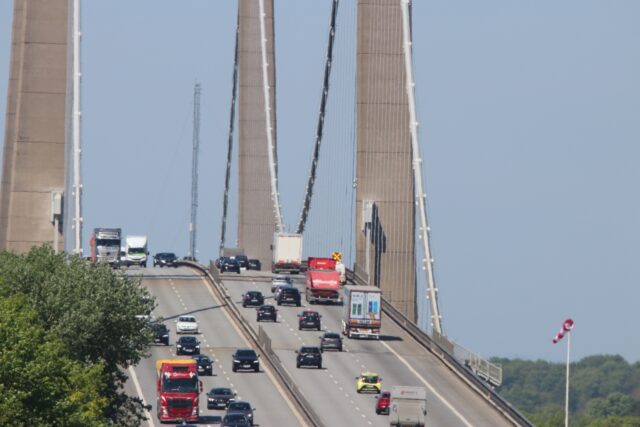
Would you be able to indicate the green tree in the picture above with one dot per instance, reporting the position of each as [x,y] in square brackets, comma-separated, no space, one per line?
[91,309]
[39,384]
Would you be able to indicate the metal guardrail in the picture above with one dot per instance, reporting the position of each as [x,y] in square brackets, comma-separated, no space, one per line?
[261,341]
[442,348]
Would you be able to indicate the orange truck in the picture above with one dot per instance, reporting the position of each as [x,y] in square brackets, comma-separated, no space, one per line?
[322,281]
[178,390]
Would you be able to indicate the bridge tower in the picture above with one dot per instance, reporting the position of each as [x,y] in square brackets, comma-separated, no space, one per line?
[385,216]
[256,215]
[34,140]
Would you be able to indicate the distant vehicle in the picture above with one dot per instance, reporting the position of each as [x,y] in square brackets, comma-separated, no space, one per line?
[245,358]
[235,420]
[322,281]
[165,259]
[136,251]
[368,381]
[287,253]
[254,264]
[289,296]
[220,397]
[218,262]
[382,403]
[280,280]
[187,325]
[178,389]
[266,312]
[309,319]
[243,408]
[254,298]
[230,264]
[243,261]
[309,356]
[361,312]
[187,345]
[205,365]
[105,245]
[330,340]
[161,333]
[279,289]
[408,406]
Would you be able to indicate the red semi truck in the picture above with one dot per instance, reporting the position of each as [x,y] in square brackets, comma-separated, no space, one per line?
[178,390]
[322,281]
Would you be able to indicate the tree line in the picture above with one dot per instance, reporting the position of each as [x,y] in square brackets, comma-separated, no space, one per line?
[69,332]
[604,391]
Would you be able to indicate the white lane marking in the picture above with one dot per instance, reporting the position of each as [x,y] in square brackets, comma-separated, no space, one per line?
[265,369]
[136,384]
[429,386]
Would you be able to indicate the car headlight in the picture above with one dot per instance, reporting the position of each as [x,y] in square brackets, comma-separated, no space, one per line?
[197,346]
[255,361]
[179,346]
[236,361]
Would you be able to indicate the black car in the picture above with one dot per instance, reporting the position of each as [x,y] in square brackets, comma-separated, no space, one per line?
[267,312]
[242,260]
[309,319]
[245,358]
[241,407]
[187,345]
[165,259]
[220,397]
[254,264]
[205,366]
[254,298]
[330,340]
[280,280]
[235,420]
[230,265]
[160,333]
[289,296]
[309,356]
[218,262]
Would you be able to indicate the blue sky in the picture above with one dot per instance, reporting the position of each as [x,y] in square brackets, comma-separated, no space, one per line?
[529,129]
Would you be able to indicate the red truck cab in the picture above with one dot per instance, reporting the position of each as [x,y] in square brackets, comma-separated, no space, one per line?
[178,390]
[322,282]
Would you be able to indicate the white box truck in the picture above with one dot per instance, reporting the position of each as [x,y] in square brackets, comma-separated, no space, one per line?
[408,407]
[361,312]
[287,253]
[136,251]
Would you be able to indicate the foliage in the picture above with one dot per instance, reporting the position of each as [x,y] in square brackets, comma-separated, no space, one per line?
[605,391]
[91,310]
[39,384]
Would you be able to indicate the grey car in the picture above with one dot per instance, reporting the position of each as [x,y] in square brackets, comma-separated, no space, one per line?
[330,340]
[241,407]
[235,420]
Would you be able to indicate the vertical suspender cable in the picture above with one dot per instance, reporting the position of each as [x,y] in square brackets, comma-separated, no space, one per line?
[77,184]
[320,125]
[420,196]
[232,118]
[267,114]
[194,170]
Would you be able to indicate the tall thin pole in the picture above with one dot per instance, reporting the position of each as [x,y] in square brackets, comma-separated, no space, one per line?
[194,170]
[566,389]
[77,184]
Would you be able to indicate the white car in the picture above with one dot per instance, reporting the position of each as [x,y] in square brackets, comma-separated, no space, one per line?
[186,325]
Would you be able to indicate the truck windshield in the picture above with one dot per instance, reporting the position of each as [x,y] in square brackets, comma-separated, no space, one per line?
[136,250]
[184,385]
[108,242]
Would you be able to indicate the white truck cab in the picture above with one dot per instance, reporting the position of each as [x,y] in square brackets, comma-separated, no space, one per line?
[136,251]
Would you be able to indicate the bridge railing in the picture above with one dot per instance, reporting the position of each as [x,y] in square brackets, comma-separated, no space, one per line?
[446,350]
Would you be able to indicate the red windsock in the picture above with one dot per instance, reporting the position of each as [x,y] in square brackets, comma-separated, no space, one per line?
[567,326]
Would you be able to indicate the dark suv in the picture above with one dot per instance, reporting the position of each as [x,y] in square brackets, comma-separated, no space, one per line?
[254,264]
[230,265]
[205,365]
[160,333]
[330,340]
[267,312]
[254,298]
[245,358]
[309,319]
[243,261]
[220,397]
[289,296]
[165,259]
[309,356]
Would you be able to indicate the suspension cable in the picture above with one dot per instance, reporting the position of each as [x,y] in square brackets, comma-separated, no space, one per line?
[271,151]
[420,196]
[320,125]
[232,118]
